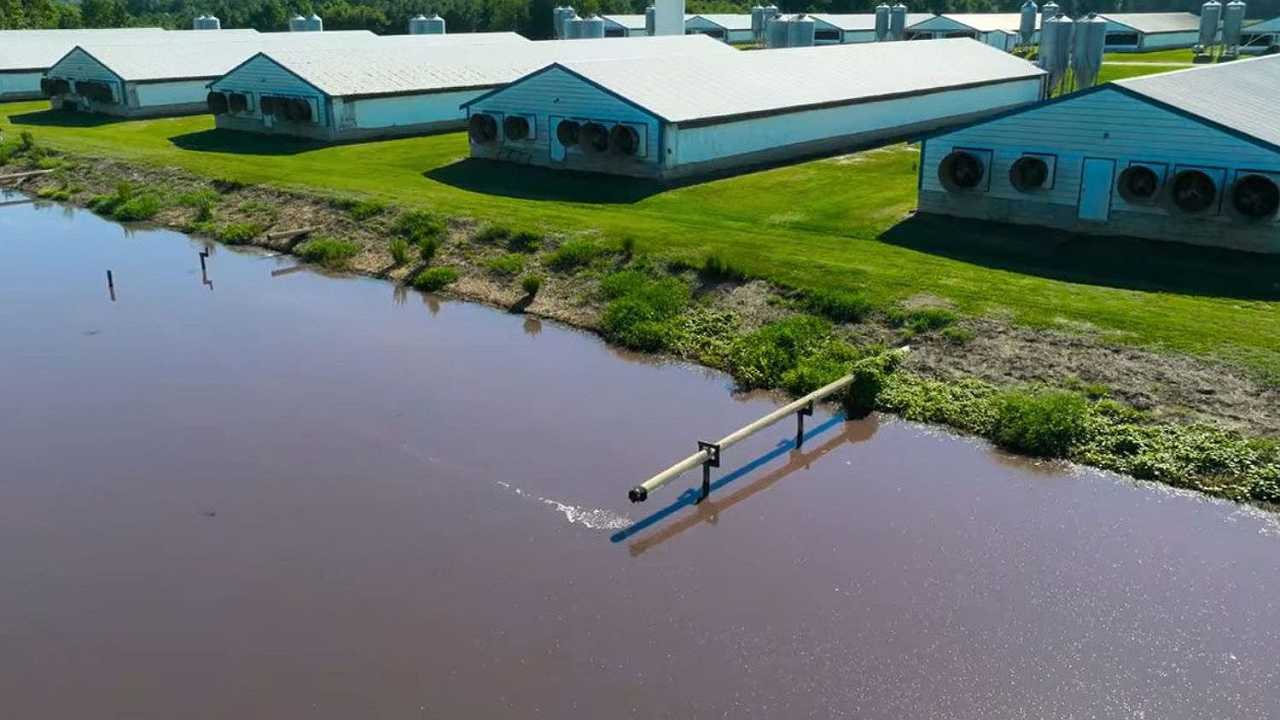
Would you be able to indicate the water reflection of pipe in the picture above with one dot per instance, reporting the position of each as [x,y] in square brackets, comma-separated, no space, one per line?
[111,286]
[288,271]
[432,303]
[399,293]
[709,510]
[532,326]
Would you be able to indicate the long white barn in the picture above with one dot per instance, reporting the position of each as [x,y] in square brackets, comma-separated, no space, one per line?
[26,55]
[1190,156]
[838,29]
[712,113]
[995,29]
[1143,32]
[402,87]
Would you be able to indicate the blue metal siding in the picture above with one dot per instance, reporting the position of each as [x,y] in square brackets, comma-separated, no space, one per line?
[79,65]
[262,76]
[561,94]
[722,140]
[1104,124]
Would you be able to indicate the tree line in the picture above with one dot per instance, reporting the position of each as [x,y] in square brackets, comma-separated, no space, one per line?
[531,18]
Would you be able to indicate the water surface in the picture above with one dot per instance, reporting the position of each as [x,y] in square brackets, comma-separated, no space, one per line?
[285,495]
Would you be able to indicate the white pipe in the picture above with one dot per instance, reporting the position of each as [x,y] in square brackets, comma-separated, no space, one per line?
[641,492]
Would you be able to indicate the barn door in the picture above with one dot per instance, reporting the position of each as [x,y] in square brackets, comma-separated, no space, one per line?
[1096,182]
[553,140]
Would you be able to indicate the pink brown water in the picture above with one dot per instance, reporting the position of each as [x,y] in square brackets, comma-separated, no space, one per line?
[298,496]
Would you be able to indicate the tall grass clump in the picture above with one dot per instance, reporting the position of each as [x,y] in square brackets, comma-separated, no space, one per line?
[717,269]
[838,305]
[531,284]
[760,359]
[399,249]
[237,233]
[641,311]
[138,207]
[428,248]
[571,255]
[433,279]
[361,210]
[202,201]
[508,265]
[1044,423]
[922,320]
[525,241]
[492,234]
[327,251]
[419,226]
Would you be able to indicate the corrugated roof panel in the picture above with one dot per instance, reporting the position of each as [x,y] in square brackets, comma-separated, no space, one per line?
[988,22]
[40,49]
[862,21]
[768,81]
[1154,23]
[1241,95]
[407,69]
[726,21]
[630,22]
[197,55]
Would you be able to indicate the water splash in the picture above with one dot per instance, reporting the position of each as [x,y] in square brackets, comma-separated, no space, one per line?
[591,518]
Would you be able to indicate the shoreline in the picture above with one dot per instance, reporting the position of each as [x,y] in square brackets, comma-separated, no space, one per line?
[1194,424]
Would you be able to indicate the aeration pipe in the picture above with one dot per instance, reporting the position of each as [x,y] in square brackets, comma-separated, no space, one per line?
[709,454]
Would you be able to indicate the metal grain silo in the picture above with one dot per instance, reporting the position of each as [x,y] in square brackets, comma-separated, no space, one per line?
[1027,21]
[560,18]
[1210,15]
[1055,48]
[297,23]
[882,22]
[1086,52]
[777,32]
[800,31]
[314,23]
[435,25]
[757,22]
[573,28]
[650,20]
[770,12]
[1233,23]
[418,25]
[897,21]
[593,27]
[1048,11]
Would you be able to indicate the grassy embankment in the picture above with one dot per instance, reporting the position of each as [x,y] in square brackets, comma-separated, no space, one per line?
[835,231]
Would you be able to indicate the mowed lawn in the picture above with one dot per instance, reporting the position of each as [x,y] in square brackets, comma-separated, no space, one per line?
[834,223]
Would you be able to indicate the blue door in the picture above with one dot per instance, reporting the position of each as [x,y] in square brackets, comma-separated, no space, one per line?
[1096,182]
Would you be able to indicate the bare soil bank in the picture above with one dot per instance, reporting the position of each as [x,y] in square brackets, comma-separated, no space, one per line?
[1173,387]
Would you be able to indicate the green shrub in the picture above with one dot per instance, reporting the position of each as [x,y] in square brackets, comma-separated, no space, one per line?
[1047,423]
[203,201]
[399,248]
[418,226]
[870,376]
[964,404]
[327,251]
[433,279]
[428,248]
[640,315]
[619,284]
[531,284]
[628,247]
[58,194]
[571,255]
[761,358]
[717,268]
[524,241]
[510,264]
[104,204]
[838,305]
[138,207]
[831,362]
[493,234]
[237,233]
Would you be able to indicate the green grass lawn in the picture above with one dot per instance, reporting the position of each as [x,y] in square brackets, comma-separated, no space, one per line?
[1109,72]
[1181,55]
[833,223]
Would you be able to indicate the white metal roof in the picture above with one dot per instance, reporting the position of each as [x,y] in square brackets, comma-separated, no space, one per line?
[630,22]
[40,49]
[452,39]
[1241,95]
[862,21]
[726,21]
[760,82]
[1155,23]
[984,22]
[414,68]
[199,55]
